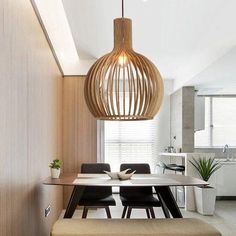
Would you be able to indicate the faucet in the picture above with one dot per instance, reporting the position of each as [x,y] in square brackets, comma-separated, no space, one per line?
[226,150]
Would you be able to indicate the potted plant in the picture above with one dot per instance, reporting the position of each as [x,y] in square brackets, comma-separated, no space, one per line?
[205,196]
[55,166]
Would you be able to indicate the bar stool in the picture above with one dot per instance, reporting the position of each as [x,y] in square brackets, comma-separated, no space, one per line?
[175,168]
[172,167]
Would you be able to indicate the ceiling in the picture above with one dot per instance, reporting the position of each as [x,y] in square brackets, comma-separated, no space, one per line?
[192,42]
[182,37]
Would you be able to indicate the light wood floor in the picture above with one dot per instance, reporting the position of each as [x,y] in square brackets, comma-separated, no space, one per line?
[224,218]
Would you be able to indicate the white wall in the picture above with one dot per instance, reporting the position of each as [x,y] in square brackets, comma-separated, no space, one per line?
[163,119]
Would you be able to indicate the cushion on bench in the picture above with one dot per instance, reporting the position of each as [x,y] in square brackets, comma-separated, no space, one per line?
[133,227]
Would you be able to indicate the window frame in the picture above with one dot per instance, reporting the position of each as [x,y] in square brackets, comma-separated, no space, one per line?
[211,125]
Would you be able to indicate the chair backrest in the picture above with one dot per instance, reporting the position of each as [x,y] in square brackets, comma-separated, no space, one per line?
[95,168]
[141,168]
[96,192]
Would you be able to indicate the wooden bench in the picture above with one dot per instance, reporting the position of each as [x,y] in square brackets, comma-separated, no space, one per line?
[133,227]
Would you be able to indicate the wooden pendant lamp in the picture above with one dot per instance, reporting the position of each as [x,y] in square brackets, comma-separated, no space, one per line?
[123,84]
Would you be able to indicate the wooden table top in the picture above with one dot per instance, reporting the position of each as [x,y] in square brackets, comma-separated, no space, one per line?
[136,180]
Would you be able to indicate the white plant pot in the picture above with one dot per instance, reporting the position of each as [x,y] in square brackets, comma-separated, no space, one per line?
[55,173]
[205,199]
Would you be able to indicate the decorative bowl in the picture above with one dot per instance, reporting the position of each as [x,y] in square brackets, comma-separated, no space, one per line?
[124,176]
[112,175]
[120,175]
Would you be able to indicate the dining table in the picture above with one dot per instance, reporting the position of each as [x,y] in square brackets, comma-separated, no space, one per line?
[161,184]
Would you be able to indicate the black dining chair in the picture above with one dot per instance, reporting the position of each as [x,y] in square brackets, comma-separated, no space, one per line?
[96,197]
[138,197]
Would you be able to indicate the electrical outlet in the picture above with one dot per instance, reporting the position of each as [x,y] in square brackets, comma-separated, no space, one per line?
[47,210]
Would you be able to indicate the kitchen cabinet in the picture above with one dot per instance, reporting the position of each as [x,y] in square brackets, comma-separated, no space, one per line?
[224,180]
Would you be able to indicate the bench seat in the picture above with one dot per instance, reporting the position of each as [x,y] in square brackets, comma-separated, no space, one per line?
[133,227]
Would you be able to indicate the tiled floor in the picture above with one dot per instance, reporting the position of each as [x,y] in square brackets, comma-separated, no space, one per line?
[224,218]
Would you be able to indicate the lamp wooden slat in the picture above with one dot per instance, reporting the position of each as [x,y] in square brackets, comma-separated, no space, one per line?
[123,84]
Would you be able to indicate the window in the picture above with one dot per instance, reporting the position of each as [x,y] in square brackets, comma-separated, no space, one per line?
[203,137]
[220,123]
[130,142]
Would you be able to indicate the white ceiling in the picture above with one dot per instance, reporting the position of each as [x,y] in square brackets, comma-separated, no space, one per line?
[220,77]
[182,37]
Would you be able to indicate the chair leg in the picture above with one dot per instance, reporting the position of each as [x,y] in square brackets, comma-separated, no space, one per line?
[124,212]
[129,212]
[148,214]
[152,212]
[85,213]
[108,212]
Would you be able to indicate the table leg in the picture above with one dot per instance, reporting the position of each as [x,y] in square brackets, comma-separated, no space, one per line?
[168,201]
[163,205]
[73,202]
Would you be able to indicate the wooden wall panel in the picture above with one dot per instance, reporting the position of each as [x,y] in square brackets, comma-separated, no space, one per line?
[30,123]
[79,129]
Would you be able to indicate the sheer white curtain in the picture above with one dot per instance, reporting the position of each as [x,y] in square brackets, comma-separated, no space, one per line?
[135,141]
[130,142]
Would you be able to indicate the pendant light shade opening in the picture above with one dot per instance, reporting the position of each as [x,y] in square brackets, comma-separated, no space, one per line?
[123,84]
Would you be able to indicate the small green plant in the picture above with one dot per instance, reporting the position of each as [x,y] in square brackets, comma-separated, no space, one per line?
[55,164]
[205,167]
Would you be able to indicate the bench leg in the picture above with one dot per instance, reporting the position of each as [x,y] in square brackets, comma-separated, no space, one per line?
[85,213]
[108,212]
[168,201]
[124,212]
[147,212]
[129,212]
[73,202]
[152,213]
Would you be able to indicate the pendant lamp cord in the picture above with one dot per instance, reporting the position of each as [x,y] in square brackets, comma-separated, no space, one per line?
[123,13]
[123,10]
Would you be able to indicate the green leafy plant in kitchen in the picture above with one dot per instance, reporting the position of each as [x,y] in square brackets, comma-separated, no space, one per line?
[205,167]
[55,164]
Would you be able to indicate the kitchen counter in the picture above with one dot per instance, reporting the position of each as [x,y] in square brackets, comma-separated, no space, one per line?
[174,154]
[224,161]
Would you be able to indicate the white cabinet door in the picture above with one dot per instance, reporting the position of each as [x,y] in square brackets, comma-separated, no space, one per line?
[225,180]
